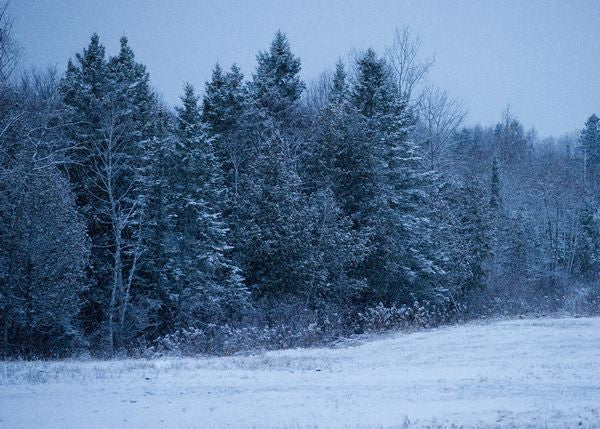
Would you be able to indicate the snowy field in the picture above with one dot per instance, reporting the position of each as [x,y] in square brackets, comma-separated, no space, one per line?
[523,373]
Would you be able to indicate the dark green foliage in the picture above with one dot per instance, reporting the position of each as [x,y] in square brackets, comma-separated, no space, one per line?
[587,262]
[590,146]
[204,286]
[495,197]
[276,86]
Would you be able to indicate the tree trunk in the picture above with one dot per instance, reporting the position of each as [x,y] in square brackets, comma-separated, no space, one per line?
[126,294]
[117,267]
[5,333]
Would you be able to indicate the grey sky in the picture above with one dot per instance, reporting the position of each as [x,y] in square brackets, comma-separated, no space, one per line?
[542,57]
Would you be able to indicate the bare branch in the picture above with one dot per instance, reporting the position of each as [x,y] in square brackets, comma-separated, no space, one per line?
[10,51]
[403,57]
[439,117]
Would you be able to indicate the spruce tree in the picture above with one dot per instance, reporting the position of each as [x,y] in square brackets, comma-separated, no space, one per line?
[223,106]
[371,81]
[495,197]
[587,257]
[497,221]
[463,231]
[340,91]
[206,286]
[402,264]
[269,213]
[339,155]
[48,251]
[276,85]
[410,262]
[590,146]
[152,301]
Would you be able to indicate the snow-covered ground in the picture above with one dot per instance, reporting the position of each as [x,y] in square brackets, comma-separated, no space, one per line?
[523,373]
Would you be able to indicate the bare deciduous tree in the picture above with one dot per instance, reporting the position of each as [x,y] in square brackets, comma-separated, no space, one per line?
[439,117]
[316,95]
[121,209]
[403,56]
[10,51]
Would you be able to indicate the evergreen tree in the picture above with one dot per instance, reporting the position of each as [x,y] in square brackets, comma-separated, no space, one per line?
[340,156]
[82,89]
[206,286]
[152,301]
[276,86]
[401,265]
[273,222]
[402,228]
[223,106]
[340,91]
[464,233]
[590,146]
[333,255]
[269,212]
[495,197]
[372,82]
[587,257]
[296,246]
[496,221]
[586,252]
[223,100]
[45,248]
[518,255]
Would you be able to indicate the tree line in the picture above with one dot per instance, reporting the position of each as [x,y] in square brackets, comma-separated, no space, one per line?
[265,207]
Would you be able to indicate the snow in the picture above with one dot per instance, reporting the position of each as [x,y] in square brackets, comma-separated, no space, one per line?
[517,373]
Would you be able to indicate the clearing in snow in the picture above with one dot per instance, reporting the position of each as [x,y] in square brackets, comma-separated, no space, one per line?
[518,373]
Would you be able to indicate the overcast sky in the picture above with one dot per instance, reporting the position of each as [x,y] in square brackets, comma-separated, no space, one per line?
[542,57]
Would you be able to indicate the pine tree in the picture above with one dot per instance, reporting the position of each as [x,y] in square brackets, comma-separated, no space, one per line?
[276,86]
[340,91]
[151,303]
[206,286]
[463,232]
[495,197]
[223,106]
[590,146]
[410,262]
[402,265]
[587,257]
[372,81]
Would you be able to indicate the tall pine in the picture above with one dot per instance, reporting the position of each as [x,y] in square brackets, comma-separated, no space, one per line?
[205,286]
